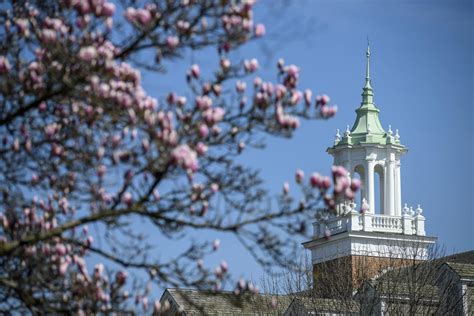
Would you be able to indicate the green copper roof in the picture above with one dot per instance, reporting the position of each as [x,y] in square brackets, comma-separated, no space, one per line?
[367,128]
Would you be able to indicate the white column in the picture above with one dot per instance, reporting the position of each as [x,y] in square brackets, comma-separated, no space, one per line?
[386,191]
[398,185]
[391,188]
[370,185]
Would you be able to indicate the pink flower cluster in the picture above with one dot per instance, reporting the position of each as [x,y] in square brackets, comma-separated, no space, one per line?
[142,17]
[325,111]
[100,8]
[286,120]
[239,20]
[185,157]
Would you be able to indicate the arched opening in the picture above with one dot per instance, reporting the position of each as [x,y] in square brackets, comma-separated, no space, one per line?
[379,190]
[359,173]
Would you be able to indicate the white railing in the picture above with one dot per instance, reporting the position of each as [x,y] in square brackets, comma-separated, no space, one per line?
[387,223]
[410,223]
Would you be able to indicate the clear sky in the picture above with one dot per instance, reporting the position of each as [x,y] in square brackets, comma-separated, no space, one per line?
[422,74]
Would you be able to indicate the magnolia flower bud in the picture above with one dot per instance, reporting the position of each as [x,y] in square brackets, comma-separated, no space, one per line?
[216,244]
[315,180]
[195,71]
[4,65]
[224,266]
[225,64]
[355,184]
[299,176]
[200,263]
[88,53]
[172,42]
[259,30]
[286,188]
[240,86]
[127,198]
[203,131]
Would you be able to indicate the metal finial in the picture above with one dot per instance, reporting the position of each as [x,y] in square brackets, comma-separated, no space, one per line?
[390,132]
[337,138]
[397,136]
[367,74]
[347,132]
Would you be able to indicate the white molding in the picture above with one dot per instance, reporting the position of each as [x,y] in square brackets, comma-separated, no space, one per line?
[372,244]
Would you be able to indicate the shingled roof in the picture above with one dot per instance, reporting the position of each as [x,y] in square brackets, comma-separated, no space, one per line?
[464,270]
[196,302]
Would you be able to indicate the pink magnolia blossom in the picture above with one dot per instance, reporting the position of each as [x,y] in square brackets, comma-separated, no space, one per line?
[98,269]
[240,86]
[181,101]
[339,171]
[141,17]
[259,30]
[203,102]
[203,131]
[299,176]
[225,64]
[48,35]
[257,82]
[127,198]
[280,91]
[108,9]
[120,277]
[328,111]
[201,149]
[101,170]
[292,71]
[224,266]
[218,272]
[322,100]
[88,53]
[172,42]
[216,244]
[349,194]
[64,264]
[4,65]
[251,65]
[185,157]
[214,187]
[355,184]
[342,183]
[213,116]
[23,26]
[295,97]
[195,71]
[200,263]
[286,188]
[316,180]
[307,97]
[217,89]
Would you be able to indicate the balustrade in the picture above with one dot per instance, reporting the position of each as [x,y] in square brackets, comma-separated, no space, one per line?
[352,220]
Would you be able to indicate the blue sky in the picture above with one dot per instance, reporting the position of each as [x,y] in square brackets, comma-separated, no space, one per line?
[422,74]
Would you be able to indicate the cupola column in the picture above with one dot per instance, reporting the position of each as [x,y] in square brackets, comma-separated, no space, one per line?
[391,188]
[398,196]
[370,190]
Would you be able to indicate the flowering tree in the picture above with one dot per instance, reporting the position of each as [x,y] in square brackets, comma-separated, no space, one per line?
[84,145]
